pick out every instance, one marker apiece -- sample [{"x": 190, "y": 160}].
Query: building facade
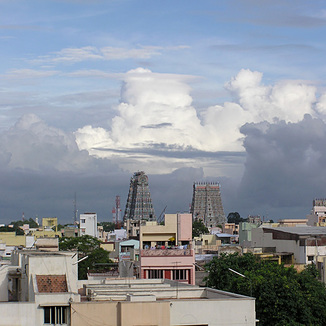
[
  {"x": 38, "y": 288},
  {"x": 88, "y": 224},
  {"x": 165, "y": 250},
  {"x": 307, "y": 244},
  {"x": 207, "y": 204},
  {"x": 317, "y": 216}
]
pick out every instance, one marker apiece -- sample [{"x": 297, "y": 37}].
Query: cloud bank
[
  {"x": 268, "y": 138},
  {"x": 156, "y": 113},
  {"x": 285, "y": 166}
]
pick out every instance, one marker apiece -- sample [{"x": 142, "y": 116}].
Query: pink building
[{"x": 166, "y": 249}]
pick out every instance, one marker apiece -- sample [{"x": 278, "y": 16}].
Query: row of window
[{"x": 177, "y": 274}]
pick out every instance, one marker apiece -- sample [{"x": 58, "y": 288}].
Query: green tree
[
  {"x": 32, "y": 223},
  {"x": 234, "y": 217},
  {"x": 283, "y": 296},
  {"x": 86, "y": 246},
  {"x": 17, "y": 226},
  {"x": 107, "y": 226},
  {"x": 198, "y": 228}
]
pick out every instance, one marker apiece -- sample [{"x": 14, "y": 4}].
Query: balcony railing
[{"x": 165, "y": 252}]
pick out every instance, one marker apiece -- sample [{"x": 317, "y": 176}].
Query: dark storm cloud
[
  {"x": 285, "y": 167},
  {"x": 41, "y": 170}
]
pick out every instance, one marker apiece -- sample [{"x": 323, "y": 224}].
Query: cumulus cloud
[
  {"x": 33, "y": 145},
  {"x": 156, "y": 113},
  {"x": 278, "y": 129},
  {"x": 288, "y": 100}
]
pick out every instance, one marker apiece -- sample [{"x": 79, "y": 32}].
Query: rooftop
[
  {"x": 152, "y": 290},
  {"x": 300, "y": 230}
]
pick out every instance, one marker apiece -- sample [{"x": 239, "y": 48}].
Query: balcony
[{"x": 165, "y": 252}]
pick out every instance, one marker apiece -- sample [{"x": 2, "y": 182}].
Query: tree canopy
[
  {"x": 86, "y": 246},
  {"x": 283, "y": 296},
  {"x": 107, "y": 226},
  {"x": 17, "y": 224},
  {"x": 198, "y": 228},
  {"x": 234, "y": 217}
]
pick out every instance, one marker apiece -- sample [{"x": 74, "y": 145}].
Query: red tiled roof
[{"x": 51, "y": 283}]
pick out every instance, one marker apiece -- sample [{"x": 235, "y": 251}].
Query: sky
[{"x": 228, "y": 91}]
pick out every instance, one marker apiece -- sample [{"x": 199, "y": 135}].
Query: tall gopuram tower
[
  {"x": 207, "y": 203},
  {"x": 139, "y": 204}
]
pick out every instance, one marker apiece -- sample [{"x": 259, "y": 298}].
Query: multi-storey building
[
  {"x": 207, "y": 204},
  {"x": 166, "y": 249},
  {"x": 88, "y": 224}
]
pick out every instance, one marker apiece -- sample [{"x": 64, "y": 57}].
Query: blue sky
[{"x": 96, "y": 90}]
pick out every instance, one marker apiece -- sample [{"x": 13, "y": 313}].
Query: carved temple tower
[
  {"x": 207, "y": 203},
  {"x": 139, "y": 204}
]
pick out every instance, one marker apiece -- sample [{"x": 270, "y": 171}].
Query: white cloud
[
  {"x": 30, "y": 73},
  {"x": 73, "y": 55},
  {"x": 89, "y": 73},
  {"x": 287, "y": 100},
  {"x": 33, "y": 145},
  {"x": 156, "y": 111}
]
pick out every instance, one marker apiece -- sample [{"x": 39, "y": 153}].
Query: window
[
  {"x": 82, "y": 220},
  {"x": 179, "y": 274},
  {"x": 155, "y": 273},
  {"x": 311, "y": 258},
  {"x": 55, "y": 315}
]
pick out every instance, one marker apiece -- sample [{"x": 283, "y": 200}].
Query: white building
[
  {"x": 38, "y": 288},
  {"x": 88, "y": 224}
]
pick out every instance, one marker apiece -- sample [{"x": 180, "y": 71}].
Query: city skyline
[{"x": 229, "y": 91}]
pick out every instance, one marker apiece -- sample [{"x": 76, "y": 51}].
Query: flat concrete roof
[
  {"x": 159, "y": 289},
  {"x": 300, "y": 230}
]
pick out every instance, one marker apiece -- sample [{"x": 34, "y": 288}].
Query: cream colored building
[
  {"x": 206, "y": 243},
  {"x": 50, "y": 223},
  {"x": 11, "y": 239}
]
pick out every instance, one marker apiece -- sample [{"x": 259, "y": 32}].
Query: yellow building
[
  {"x": 50, "y": 223},
  {"x": 45, "y": 233},
  {"x": 11, "y": 239}
]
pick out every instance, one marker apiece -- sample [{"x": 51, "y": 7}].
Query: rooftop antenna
[{"x": 75, "y": 211}]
